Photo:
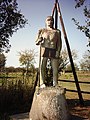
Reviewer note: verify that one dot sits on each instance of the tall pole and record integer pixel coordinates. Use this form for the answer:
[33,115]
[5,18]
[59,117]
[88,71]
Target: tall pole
[69,53]
[56,15]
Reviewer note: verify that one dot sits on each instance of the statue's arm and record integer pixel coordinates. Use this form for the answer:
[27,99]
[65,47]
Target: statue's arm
[39,37]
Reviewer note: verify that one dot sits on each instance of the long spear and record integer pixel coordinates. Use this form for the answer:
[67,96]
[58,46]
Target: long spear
[69,53]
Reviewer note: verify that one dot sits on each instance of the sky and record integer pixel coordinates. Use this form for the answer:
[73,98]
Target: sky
[36,12]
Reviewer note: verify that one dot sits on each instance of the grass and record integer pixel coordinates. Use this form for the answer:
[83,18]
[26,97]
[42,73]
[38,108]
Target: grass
[18,90]
[77,112]
[82,77]
[72,97]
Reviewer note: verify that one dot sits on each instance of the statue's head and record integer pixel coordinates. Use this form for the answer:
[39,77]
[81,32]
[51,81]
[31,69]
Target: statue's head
[50,19]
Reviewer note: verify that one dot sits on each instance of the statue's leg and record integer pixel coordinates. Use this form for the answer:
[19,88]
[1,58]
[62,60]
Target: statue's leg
[43,70]
[54,63]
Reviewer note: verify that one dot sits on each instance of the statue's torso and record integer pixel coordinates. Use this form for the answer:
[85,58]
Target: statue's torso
[49,42]
[49,38]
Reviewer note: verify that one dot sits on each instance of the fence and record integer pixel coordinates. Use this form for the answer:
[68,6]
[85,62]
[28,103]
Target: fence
[71,81]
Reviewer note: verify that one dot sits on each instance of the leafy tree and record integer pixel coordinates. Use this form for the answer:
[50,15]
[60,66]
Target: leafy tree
[10,69]
[2,61]
[85,62]
[11,20]
[86,27]
[27,58]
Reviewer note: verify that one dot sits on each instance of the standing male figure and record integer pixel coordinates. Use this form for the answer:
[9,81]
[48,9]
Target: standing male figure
[50,41]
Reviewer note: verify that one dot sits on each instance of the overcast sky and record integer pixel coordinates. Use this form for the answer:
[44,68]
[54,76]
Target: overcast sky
[36,12]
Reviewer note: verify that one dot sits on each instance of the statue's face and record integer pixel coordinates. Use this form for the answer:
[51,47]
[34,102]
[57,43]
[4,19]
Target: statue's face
[49,21]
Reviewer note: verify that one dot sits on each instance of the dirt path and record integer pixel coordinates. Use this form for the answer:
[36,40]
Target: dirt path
[77,112]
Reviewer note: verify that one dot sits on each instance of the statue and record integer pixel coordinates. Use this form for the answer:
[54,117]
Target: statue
[50,42]
[49,103]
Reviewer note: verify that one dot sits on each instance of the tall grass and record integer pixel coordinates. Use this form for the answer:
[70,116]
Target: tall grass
[16,93]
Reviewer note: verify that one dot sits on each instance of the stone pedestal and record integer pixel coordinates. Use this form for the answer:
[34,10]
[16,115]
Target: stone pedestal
[49,104]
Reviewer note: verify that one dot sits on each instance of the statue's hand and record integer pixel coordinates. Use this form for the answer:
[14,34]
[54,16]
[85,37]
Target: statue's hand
[39,41]
[57,54]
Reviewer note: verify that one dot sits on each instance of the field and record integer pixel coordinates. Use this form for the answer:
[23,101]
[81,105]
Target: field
[78,112]
[19,90]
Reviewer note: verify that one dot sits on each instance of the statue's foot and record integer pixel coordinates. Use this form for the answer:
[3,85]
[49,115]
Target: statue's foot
[55,85]
[42,86]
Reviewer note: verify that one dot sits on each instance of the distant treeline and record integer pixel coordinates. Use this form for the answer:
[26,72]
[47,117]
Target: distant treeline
[17,69]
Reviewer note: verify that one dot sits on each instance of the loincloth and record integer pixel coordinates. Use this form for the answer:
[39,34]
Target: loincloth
[48,52]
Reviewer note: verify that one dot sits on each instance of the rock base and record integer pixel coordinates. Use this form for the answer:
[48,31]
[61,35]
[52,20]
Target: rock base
[49,104]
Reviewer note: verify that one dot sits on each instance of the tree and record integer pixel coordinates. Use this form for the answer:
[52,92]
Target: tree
[11,20]
[85,62]
[27,58]
[64,58]
[86,27]
[69,68]
[2,61]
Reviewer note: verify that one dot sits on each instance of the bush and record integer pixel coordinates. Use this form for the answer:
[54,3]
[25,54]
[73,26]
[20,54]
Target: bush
[15,97]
